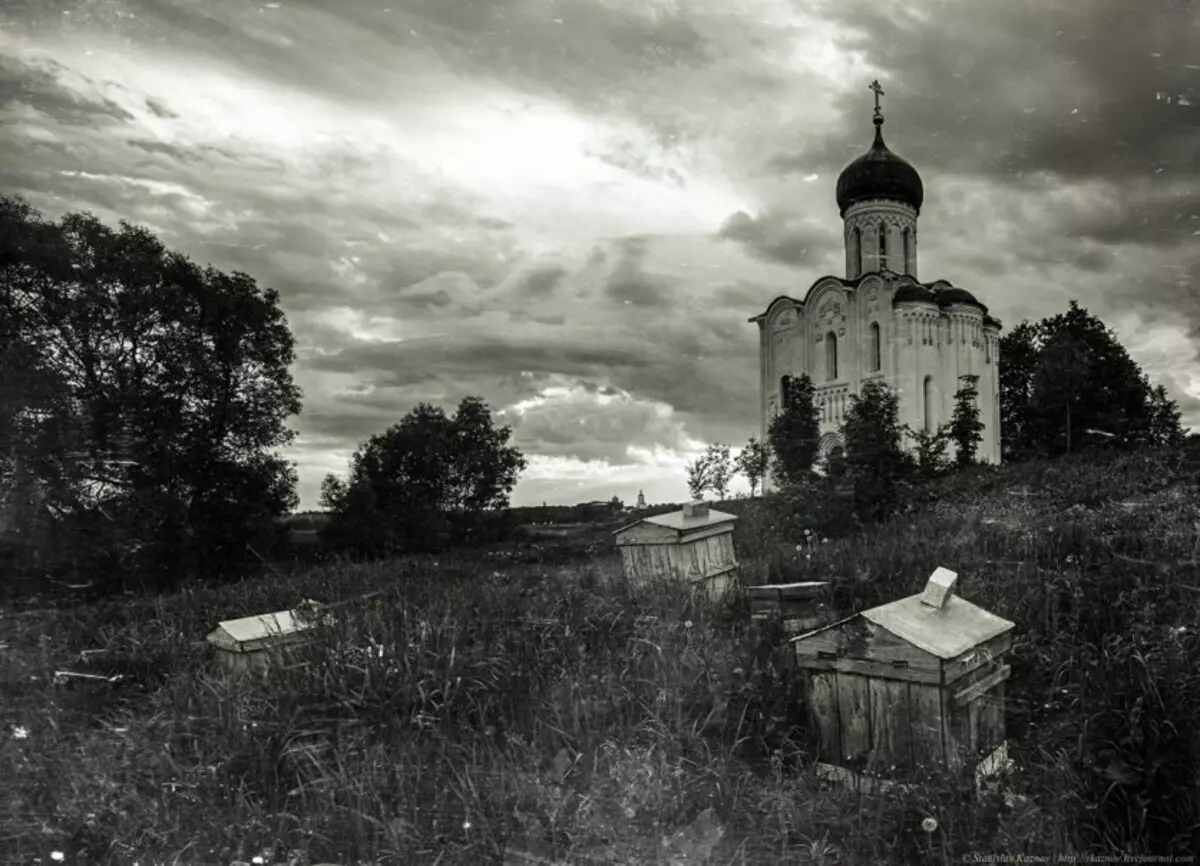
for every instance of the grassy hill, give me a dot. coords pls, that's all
(511, 707)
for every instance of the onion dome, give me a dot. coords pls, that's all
(879, 174)
(913, 294)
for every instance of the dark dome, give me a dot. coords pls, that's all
(991, 321)
(956, 295)
(879, 173)
(913, 293)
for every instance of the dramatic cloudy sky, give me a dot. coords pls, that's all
(571, 207)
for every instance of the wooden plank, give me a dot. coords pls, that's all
(986, 652)
(990, 732)
(813, 661)
(855, 714)
(982, 686)
(928, 741)
(958, 737)
(716, 531)
(646, 533)
(823, 706)
(891, 747)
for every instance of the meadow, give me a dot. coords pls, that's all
(524, 704)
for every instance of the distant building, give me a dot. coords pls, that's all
(641, 503)
(878, 322)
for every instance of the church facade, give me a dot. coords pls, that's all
(879, 321)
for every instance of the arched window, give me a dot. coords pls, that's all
(785, 384)
(856, 250)
(928, 404)
(831, 359)
(875, 353)
(883, 246)
(906, 248)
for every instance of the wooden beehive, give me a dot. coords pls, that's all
(917, 683)
(798, 606)
(251, 643)
(694, 545)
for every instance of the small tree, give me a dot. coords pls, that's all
(712, 470)
(698, 476)
(794, 433)
(965, 429)
(754, 461)
(930, 451)
(874, 456)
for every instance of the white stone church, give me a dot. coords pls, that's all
(879, 321)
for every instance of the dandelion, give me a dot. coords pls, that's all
(257, 860)
(929, 825)
(20, 732)
(56, 856)
(824, 540)
(467, 824)
(687, 624)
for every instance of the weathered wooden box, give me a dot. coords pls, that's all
(914, 684)
(694, 545)
(252, 643)
(799, 607)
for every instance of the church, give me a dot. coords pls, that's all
(879, 321)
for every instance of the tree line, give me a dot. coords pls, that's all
(1066, 384)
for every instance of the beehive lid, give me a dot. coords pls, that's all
(252, 632)
(681, 520)
(946, 632)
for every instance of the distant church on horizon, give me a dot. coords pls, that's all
(879, 321)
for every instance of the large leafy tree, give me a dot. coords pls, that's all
(712, 470)
(422, 479)
(874, 453)
(1066, 382)
(162, 388)
(794, 433)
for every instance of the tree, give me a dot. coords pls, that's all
(697, 477)
(794, 433)
(930, 452)
(1066, 381)
(965, 429)
(875, 458)
(163, 388)
(712, 470)
(753, 461)
(423, 481)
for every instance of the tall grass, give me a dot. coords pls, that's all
(474, 710)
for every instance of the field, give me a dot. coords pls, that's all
(523, 705)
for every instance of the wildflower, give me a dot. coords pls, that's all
(824, 540)
(687, 624)
(929, 825)
(56, 856)
(258, 860)
(20, 732)
(808, 556)
(467, 824)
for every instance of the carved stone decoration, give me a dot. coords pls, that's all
(831, 316)
(786, 319)
(873, 299)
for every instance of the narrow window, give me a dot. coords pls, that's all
(876, 359)
(784, 385)
(928, 404)
(856, 251)
(831, 359)
(906, 251)
(883, 249)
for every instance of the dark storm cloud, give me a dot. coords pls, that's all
(1078, 90)
(776, 237)
(37, 86)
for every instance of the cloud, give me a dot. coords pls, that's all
(779, 237)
